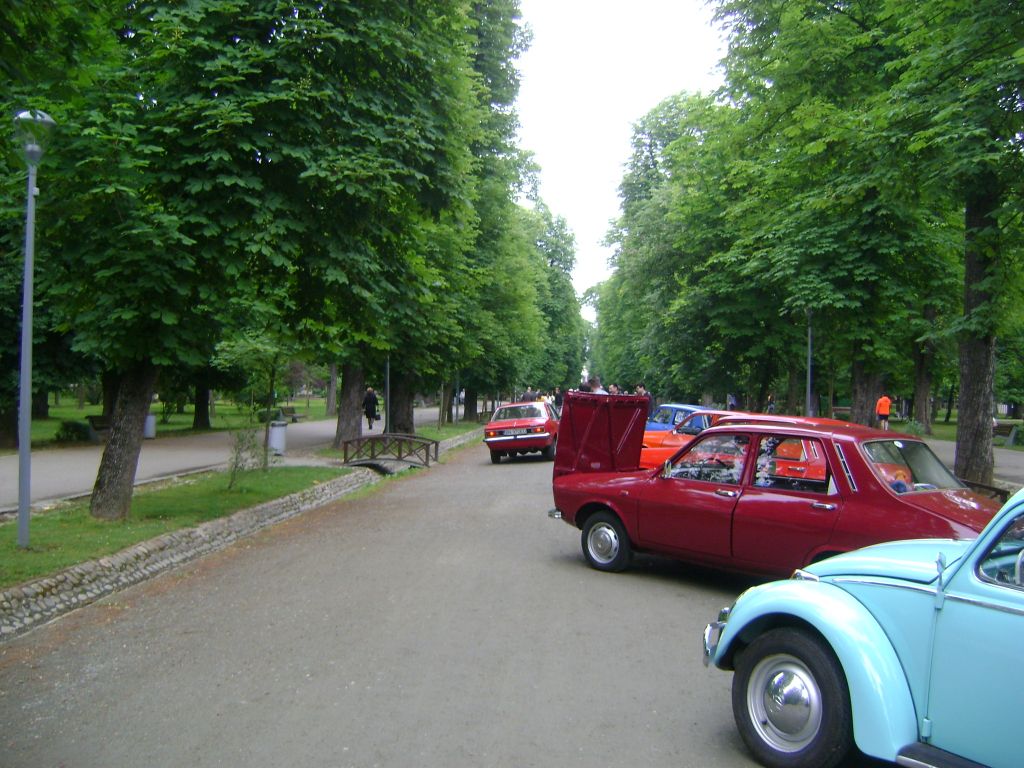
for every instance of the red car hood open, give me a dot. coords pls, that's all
(600, 433)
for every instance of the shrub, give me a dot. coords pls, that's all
(72, 432)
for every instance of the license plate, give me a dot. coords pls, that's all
(520, 431)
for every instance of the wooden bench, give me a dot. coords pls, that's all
(99, 428)
(1006, 431)
(288, 412)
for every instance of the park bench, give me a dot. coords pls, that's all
(99, 428)
(288, 412)
(1007, 431)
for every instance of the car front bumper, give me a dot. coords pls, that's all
(713, 633)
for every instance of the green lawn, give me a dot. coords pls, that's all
(225, 416)
(68, 535)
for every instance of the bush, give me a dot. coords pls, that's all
(912, 427)
(72, 432)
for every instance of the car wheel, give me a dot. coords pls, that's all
(605, 543)
(495, 457)
(791, 701)
(549, 451)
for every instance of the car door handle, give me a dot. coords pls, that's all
(724, 492)
(823, 505)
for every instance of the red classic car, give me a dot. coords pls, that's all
(758, 497)
(520, 428)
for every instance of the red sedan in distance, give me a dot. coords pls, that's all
(520, 428)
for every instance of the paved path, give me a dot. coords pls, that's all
(60, 473)
(442, 621)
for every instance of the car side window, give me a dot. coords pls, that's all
(1004, 562)
(716, 459)
(792, 464)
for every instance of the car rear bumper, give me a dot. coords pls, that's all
(532, 442)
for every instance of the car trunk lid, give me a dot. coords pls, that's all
(600, 433)
(960, 505)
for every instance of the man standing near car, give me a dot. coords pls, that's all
(641, 389)
(882, 408)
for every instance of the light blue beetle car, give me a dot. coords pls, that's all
(912, 650)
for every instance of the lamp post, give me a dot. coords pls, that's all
(32, 128)
(807, 400)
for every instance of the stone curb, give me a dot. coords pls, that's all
(31, 604)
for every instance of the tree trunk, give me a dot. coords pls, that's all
(794, 386)
(445, 411)
(40, 404)
(974, 459)
(9, 426)
(350, 406)
(924, 353)
(115, 481)
(110, 382)
(470, 411)
(332, 390)
(866, 388)
(403, 397)
(201, 414)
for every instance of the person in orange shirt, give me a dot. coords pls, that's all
(882, 408)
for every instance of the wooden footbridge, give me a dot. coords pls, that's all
(376, 451)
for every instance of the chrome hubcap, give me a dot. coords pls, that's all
(603, 543)
(784, 703)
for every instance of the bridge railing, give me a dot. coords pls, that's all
(396, 446)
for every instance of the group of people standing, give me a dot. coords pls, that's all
(592, 385)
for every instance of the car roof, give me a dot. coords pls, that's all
(808, 427)
(683, 405)
(771, 418)
(497, 411)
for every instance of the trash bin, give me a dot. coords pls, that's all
(149, 428)
(276, 441)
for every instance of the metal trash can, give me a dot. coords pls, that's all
(276, 440)
(149, 428)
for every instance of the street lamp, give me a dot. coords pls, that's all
(810, 344)
(32, 128)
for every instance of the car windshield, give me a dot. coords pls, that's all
(1004, 562)
(665, 415)
(519, 412)
(908, 465)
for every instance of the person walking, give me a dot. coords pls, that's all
(370, 406)
(882, 408)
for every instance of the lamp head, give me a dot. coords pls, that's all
(33, 128)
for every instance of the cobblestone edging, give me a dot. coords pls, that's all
(33, 603)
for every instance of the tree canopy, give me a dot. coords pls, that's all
(337, 183)
(859, 163)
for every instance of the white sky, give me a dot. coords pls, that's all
(594, 68)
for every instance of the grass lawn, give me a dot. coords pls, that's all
(225, 416)
(68, 535)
